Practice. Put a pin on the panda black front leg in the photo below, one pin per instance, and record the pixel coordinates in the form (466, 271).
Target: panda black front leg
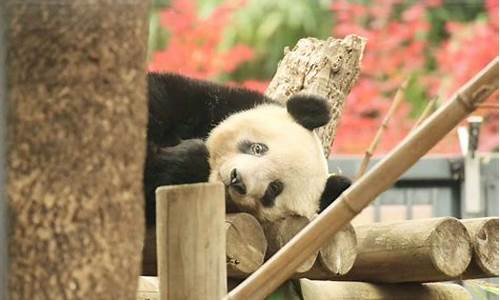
(186, 162)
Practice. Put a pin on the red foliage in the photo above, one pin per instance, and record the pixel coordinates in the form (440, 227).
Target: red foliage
(194, 45)
(396, 49)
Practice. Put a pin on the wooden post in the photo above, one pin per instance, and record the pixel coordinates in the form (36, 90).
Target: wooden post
(324, 68)
(278, 233)
(484, 236)
(246, 244)
(331, 290)
(76, 147)
(411, 251)
(191, 241)
(336, 257)
(352, 201)
(3, 148)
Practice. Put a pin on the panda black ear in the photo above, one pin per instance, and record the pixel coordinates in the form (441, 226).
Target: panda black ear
(335, 185)
(309, 111)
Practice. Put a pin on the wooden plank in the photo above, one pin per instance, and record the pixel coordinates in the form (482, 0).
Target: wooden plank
(191, 241)
(76, 129)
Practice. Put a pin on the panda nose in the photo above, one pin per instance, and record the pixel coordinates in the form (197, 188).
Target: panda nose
(236, 182)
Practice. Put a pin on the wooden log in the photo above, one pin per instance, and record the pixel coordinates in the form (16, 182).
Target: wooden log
(246, 244)
(278, 233)
(191, 241)
(484, 237)
(324, 68)
(423, 250)
(352, 201)
(331, 290)
(336, 257)
(76, 136)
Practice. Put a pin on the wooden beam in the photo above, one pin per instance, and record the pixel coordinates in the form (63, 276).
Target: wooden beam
(76, 136)
(284, 263)
(411, 251)
(191, 241)
(331, 290)
(327, 68)
(484, 237)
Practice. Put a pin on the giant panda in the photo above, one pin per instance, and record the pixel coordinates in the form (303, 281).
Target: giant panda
(266, 154)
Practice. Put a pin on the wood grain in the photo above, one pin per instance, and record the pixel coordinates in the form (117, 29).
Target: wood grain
(191, 241)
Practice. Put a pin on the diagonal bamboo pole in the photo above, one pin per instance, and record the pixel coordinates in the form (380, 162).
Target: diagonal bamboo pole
(284, 263)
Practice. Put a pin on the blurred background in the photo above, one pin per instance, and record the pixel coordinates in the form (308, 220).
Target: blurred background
(436, 44)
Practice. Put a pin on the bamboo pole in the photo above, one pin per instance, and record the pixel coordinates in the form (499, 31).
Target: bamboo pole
(282, 265)
(423, 250)
(76, 136)
(427, 111)
(331, 290)
(246, 244)
(398, 98)
(484, 235)
(190, 241)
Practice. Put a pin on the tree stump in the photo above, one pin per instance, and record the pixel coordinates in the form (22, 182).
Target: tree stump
(324, 68)
(76, 146)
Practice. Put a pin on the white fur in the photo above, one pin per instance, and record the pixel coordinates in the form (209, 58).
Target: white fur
(295, 157)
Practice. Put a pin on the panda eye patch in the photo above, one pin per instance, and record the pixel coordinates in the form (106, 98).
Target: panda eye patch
(273, 190)
(248, 147)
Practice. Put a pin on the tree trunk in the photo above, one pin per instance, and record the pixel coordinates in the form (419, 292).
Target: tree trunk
(76, 145)
(324, 68)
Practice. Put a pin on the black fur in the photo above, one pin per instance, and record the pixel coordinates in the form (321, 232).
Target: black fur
(335, 186)
(182, 110)
(309, 111)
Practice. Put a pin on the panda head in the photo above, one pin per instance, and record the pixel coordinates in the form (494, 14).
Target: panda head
(272, 162)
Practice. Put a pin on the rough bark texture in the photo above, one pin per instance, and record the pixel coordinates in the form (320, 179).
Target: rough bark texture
(76, 138)
(411, 251)
(246, 244)
(191, 241)
(325, 68)
(484, 237)
(330, 290)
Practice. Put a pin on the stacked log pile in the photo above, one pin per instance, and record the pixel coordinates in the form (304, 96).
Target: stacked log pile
(402, 259)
